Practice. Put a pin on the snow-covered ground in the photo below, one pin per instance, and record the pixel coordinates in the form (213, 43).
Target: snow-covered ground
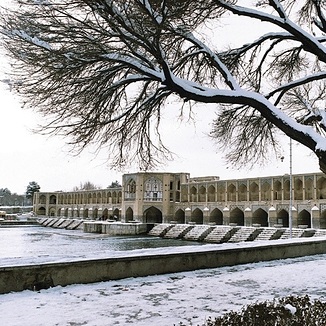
(188, 297)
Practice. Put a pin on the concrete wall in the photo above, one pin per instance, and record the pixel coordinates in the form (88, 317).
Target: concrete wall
(113, 228)
(35, 277)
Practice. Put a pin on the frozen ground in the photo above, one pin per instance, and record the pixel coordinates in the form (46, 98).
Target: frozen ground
(167, 299)
(188, 297)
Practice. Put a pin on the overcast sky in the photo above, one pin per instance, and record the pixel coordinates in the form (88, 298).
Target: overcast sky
(26, 156)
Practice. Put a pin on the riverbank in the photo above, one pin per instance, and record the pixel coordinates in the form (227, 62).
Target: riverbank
(166, 300)
(42, 276)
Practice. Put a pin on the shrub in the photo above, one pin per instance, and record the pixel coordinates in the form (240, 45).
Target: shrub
(288, 311)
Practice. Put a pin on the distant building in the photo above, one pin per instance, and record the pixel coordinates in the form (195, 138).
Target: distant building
(154, 197)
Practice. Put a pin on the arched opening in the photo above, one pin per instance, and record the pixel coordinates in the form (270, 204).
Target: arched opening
(153, 189)
(321, 188)
(153, 215)
(242, 196)
(304, 218)
(197, 216)
(85, 213)
(41, 211)
(130, 190)
(283, 218)
(277, 190)
(287, 189)
(66, 212)
(193, 194)
(53, 199)
(216, 217)
(254, 192)
(119, 197)
(237, 217)
(42, 199)
(129, 214)
(184, 194)
(179, 216)
(323, 219)
(309, 187)
(298, 189)
(211, 194)
(95, 213)
(202, 194)
(260, 216)
(221, 192)
(105, 214)
(231, 192)
(116, 214)
(265, 191)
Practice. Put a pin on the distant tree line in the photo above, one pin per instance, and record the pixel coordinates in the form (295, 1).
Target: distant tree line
(88, 185)
(8, 198)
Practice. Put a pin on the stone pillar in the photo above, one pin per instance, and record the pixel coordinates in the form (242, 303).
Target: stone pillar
(294, 217)
(226, 216)
(90, 213)
(187, 215)
(206, 215)
(248, 217)
(272, 216)
(315, 217)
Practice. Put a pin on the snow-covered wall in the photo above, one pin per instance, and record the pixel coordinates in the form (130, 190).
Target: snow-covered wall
(35, 277)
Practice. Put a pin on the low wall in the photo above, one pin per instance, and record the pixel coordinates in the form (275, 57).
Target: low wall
(35, 277)
(116, 228)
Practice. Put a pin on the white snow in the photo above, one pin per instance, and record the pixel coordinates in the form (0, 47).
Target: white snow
(166, 299)
(188, 297)
(291, 308)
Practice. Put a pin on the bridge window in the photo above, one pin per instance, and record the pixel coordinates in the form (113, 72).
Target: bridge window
(153, 189)
(130, 190)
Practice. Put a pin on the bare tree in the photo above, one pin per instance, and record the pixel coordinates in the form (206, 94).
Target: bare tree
(87, 185)
(101, 71)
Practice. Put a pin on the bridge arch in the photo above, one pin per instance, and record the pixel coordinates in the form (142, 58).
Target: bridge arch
(216, 216)
(237, 216)
(197, 216)
(304, 218)
(323, 219)
(129, 214)
(242, 192)
(153, 215)
(211, 193)
(179, 216)
(116, 214)
(260, 216)
(41, 211)
(202, 194)
(283, 218)
(105, 214)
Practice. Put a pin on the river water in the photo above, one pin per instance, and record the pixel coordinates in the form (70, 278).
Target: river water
(36, 244)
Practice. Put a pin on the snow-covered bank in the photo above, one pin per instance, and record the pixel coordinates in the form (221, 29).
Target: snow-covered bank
(166, 299)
